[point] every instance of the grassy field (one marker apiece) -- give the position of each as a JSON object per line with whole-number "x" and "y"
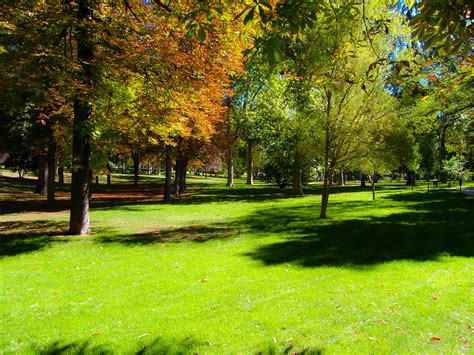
{"x": 241, "y": 270}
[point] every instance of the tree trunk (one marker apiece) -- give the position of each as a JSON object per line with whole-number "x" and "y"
{"x": 124, "y": 166}
{"x": 158, "y": 167}
{"x": 410, "y": 178}
{"x": 297, "y": 189}
{"x": 249, "y": 163}
{"x": 325, "y": 195}
{"x": 80, "y": 185}
{"x": 177, "y": 172}
{"x": 136, "y": 168}
{"x": 340, "y": 178}
{"x": 42, "y": 183}
{"x": 167, "y": 190}
{"x": 52, "y": 163}
{"x": 230, "y": 167}
{"x": 373, "y": 187}
{"x": 97, "y": 179}
{"x": 182, "y": 175}
{"x": 61, "y": 176}
{"x": 109, "y": 176}
{"x": 363, "y": 180}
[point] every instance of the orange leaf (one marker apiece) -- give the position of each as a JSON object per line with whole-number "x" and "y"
{"x": 435, "y": 339}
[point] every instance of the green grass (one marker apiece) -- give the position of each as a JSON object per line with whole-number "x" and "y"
{"x": 242, "y": 270}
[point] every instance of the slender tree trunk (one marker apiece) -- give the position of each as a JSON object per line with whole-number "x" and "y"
{"x": 97, "y": 179}
{"x": 42, "y": 183}
{"x": 167, "y": 190}
{"x": 80, "y": 185}
{"x": 230, "y": 167}
{"x": 327, "y": 166}
{"x": 124, "y": 166}
{"x": 136, "y": 168}
{"x": 373, "y": 187}
{"x": 296, "y": 183}
{"x": 325, "y": 195}
{"x": 61, "y": 176}
{"x": 177, "y": 172}
{"x": 52, "y": 165}
{"x": 158, "y": 167}
{"x": 109, "y": 174}
{"x": 249, "y": 163}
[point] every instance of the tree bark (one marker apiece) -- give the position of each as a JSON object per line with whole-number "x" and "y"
{"x": 249, "y": 163}
{"x": 325, "y": 195}
{"x": 230, "y": 167}
{"x": 182, "y": 175}
{"x": 61, "y": 176}
{"x": 177, "y": 172}
{"x": 410, "y": 178}
{"x": 297, "y": 188}
{"x": 80, "y": 185}
{"x": 341, "y": 178}
{"x": 167, "y": 189}
{"x": 373, "y": 186}
{"x": 109, "y": 177}
{"x": 42, "y": 183}
{"x": 136, "y": 168}
{"x": 52, "y": 164}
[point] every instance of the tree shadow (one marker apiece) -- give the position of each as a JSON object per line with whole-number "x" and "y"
{"x": 195, "y": 233}
{"x": 438, "y": 224}
{"x": 19, "y": 237}
{"x": 157, "y": 345}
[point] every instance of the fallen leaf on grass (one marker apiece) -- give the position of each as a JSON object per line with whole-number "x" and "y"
{"x": 435, "y": 339}
{"x": 95, "y": 334}
{"x": 34, "y": 305}
{"x": 274, "y": 340}
{"x": 381, "y": 321}
{"x": 208, "y": 343}
{"x": 142, "y": 336}
{"x": 204, "y": 279}
{"x": 373, "y": 339}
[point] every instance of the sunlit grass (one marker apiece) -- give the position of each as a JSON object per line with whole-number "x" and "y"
{"x": 244, "y": 270}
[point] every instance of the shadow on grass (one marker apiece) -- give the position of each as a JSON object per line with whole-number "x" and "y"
{"x": 200, "y": 233}
{"x": 441, "y": 223}
{"x": 20, "y": 237}
{"x": 156, "y": 346}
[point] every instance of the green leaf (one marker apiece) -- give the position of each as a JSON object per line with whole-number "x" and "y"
{"x": 201, "y": 34}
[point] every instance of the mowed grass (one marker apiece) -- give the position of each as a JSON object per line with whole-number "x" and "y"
{"x": 241, "y": 270}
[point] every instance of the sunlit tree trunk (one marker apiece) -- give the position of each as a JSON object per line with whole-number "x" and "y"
{"x": 249, "y": 163}
{"x": 230, "y": 167}
{"x": 80, "y": 185}
{"x": 42, "y": 183}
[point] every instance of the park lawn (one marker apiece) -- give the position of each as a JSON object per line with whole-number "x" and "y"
{"x": 242, "y": 270}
